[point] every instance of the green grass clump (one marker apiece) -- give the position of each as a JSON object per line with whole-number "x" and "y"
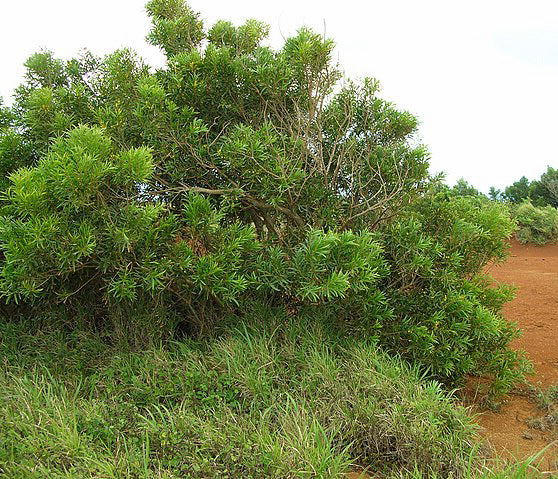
{"x": 547, "y": 401}
{"x": 499, "y": 469}
{"x": 290, "y": 400}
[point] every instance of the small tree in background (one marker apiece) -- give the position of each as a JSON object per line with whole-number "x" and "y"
{"x": 545, "y": 191}
{"x": 518, "y": 191}
{"x": 463, "y": 188}
{"x": 495, "y": 194}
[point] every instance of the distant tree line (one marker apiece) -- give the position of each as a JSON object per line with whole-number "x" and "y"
{"x": 532, "y": 205}
{"x": 541, "y": 192}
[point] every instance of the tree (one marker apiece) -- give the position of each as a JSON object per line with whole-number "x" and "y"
{"x": 518, "y": 191}
{"x": 545, "y": 191}
{"x": 463, "y": 188}
{"x": 139, "y": 200}
{"x": 495, "y": 194}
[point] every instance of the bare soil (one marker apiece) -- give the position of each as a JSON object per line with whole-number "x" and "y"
{"x": 534, "y": 271}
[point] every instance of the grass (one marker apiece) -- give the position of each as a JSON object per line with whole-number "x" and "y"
{"x": 547, "y": 402}
{"x": 289, "y": 399}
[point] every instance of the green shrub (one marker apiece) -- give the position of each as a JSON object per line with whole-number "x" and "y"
{"x": 446, "y": 314}
{"x": 79, "y": 224}
{"x": 142, "y": 203}
{"x": 77, "y": 230}
{"x": 177, "y": 196}
{"x": 536, "y": 224}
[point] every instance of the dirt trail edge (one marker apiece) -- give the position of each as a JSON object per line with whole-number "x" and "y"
{"x": 534, "y": 271}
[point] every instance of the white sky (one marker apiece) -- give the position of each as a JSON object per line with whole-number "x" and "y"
{"x": 481, "y": 75}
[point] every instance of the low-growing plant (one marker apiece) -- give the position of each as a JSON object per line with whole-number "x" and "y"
{"x": 536, "y": 224}
{"x": 547, "y": 402}
{"x": 270, "y": 396}
{"x": 292, "y": 398}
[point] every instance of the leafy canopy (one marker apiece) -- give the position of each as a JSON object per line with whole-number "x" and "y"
{"x": 142, "y": 202}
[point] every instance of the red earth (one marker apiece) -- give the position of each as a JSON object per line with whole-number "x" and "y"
{"x": 533, "y": 270}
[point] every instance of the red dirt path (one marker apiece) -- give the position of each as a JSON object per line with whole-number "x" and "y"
{"x": 534, "y": 271}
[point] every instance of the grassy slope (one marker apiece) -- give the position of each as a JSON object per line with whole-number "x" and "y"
{"x": 291, "y": 401}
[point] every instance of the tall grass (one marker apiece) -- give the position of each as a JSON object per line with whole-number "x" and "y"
{"x": 291, "y": 400}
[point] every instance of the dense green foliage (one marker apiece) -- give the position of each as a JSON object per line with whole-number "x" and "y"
{"x": 463, "y": 188}
{"x": 270, "y": 397}
{"x": 538, "y": 225}
{"x": 533, "y": 206}
{"x": 238, "y": 266}
{"x": 541, "y": 192}
{"x": 518, "y": 191}
{"x": 146, "y": 203}
{"x": 446, "y": 314}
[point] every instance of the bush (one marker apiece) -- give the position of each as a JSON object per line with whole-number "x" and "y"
{"x": 189, "y": 190}
{"x": 446, "y": 314}
{"x": 78, "y": 230}
{"x": 144, "y": 203}
{"x": 536, "y": 224}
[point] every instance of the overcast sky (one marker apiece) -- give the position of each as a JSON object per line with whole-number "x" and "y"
{"x": 481, "y": 76}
